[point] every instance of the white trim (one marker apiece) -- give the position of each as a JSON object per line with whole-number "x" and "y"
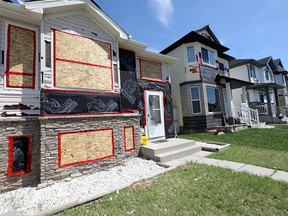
{"x": 36, "y": 87}
{"x": 186, "y": 55}
{"x": 215, "y": 56}
{"x": 191, "y": 99}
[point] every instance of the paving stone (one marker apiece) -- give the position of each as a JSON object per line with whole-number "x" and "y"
{"x": 209, "y": 161}
{"x": 230, "y": 165}
{"x": 203, "y": 153}
{"x": 280, "y": 175}
{"x": 256, "y": 170}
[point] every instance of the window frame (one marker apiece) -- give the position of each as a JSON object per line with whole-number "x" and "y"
{"x": 208, "y": 55}
{"x": 250, "y": 71}
{"x": 36, "y": 57}
{"x": 187, "y": 57}
{"x": 269, "y": 73}
{"x": 212, "y": 87}
{"x": 193, "y": 100}
{"x": 28, "y": 168}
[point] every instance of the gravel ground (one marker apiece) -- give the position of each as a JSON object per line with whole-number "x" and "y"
{"x": 31, "y": 201}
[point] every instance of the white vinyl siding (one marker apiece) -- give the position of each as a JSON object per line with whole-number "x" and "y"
{"x": 77, "y": 23}
{"x": 27, "y": 97}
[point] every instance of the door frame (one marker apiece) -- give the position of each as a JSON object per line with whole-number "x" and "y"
{"x": 146, "y": 103}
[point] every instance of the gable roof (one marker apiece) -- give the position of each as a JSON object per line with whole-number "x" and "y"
{"x": 211, "y": 34}
{"x": 265, "y": 60}
{"x": 279, "y": 66}
{"x": 238, "y": 62}
{"x": 194, "y": 36}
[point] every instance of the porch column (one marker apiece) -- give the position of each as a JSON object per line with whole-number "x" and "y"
{"x": 276, "y": 97}
{"x": 229, "y": 100}
{"x": 244, "y": 94}
{"x": 267, "y": 92}
{"x": 276, "y": 101}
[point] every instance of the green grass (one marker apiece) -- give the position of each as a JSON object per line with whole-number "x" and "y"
{"x": 194, "y": 190}
{"x": 262, "y": 147}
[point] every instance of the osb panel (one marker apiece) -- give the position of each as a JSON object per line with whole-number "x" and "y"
{"x": 21, "y": 57}
{"x": 129, "y": 138}
{"x": 151, "y": 70}
{"x": 86, "y": 146}
{"x": 81, "y": 49}
{"x": 20, "y": 80}
{"x": 73, "y": 75}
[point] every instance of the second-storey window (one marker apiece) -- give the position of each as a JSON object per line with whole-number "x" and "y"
{"x": 208, "y": 56}
{"x": 252, "y": 71}
{"x": 268, "y": 74}
{"x": 191, "y": 54}
{"x": 213, "y": 99}
{"x": 195, "y": 98}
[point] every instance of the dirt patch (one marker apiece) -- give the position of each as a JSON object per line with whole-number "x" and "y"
{"x": 144, "y": 184}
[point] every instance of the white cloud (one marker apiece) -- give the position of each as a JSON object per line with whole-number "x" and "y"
{"x": 164, "y": 11}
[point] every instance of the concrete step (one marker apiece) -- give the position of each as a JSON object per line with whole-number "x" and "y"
{"x": 176, "y": 154}
{"x": 170, "y": 149}
{"x": 260, "y": 125}
{"x": 153, "y": 149}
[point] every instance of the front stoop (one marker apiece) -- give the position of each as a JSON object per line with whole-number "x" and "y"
{"x": 169, "y": 150}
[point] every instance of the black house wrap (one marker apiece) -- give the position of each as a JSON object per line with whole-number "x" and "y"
{"x": 168, "y": 109}
{"x": 129, "y": 93}
{"x": 56, "y": 102}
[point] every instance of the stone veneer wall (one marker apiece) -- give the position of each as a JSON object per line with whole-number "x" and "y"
{"x": 17, "y": 127}
{"x": 44, "y": 131}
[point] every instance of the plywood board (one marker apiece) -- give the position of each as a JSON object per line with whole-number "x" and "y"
{"x": 82, "y": 49}
{"x": 71, "y": 75}
{"x": 85, "y": 146}
{"x": 20, "y": 80}
{"x": 129, "y": 138}
{"x": 151, "y": 70}
{"x": 21, "y": 50}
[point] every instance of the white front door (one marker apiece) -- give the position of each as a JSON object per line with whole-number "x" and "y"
{"x": 154, "y": 114}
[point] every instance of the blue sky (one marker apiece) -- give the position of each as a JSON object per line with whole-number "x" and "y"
{"x": 250, "y": 28}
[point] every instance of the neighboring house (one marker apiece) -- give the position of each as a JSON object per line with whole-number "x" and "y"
{"x": 268, "y": 77}
{"x": 201, "y": 83}
{"x": 72, "y": 85}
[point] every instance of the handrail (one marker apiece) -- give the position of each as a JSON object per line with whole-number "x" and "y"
{"x": 246, "y": 114}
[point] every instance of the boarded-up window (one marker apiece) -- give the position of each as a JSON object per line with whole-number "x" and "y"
{"x": 81, "y": 62}
{"x": 129, "y": 138}
{"x": 85, "y": 146}
{"x": 21, "y": 57}
{"x": 150, "y": 70}
{"x": 20, "y": 155}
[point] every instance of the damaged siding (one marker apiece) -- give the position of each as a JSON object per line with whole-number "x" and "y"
{"x": 17, "y": 100}
{"x": 76, "y": 23}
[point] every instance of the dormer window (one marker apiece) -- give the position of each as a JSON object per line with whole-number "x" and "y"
{"x": 252, "y": 71}
{"x": 268, "y": 74}
{"x": 191, "y": 54}
{"x": 208, "y": 56}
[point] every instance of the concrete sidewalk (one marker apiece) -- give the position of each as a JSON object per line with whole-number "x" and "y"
{"x": 200, "y": 158}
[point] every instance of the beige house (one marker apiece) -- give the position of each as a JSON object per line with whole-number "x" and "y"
{"x": 201, "y": 82}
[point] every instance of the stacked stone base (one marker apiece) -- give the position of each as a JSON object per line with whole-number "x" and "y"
{"x": 47, "y": 150}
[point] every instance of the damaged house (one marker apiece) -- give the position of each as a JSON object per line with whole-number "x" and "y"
{"x": 76, "y": 92}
